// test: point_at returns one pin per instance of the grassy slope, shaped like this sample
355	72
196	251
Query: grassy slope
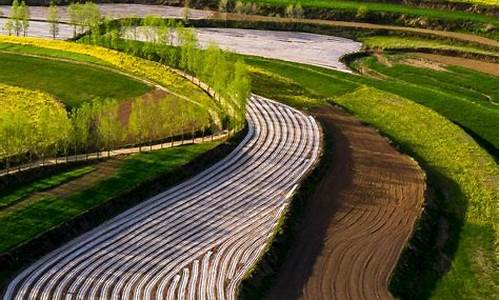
463	173
140	68
71	83
396	42
480	121
466	97
21	225
384	7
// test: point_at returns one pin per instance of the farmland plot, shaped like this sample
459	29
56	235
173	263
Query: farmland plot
196	240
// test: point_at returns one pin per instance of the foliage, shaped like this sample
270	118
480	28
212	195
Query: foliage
172	44
18	19
84	16
53	19
30	120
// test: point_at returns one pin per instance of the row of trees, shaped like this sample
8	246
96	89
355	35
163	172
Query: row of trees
18	22
96	126
171	43
82	16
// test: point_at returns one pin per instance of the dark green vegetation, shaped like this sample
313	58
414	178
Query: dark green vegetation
462	176
71	82
13	195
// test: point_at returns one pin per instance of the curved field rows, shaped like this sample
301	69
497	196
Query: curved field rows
359	219
196	240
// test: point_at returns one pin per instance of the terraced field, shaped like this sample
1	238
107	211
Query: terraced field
196	240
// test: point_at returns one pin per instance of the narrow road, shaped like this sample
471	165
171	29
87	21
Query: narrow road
196	240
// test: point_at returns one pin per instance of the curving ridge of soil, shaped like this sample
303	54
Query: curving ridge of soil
359	218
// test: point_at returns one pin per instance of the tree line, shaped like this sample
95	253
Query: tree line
171	43
97	126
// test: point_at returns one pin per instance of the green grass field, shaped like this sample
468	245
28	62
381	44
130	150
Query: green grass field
463	175
396	42
445	15
434	89
71	83
20	225
12	195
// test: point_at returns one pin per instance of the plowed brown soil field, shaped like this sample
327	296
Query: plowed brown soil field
359	219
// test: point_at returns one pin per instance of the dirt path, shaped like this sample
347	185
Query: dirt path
359	218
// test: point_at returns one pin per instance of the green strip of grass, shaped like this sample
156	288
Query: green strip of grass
462	173
11	195
23	225
397	42
71	83
384	7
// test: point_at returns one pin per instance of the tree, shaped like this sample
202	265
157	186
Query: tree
289	11
24	15
81	120
239	7
167	120
188	47
9	26
223	8
136	122
185	11
74	11
362	12
15	17
109	126
53	19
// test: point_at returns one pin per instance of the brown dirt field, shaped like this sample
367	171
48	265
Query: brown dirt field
477	65
447	34
359	219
